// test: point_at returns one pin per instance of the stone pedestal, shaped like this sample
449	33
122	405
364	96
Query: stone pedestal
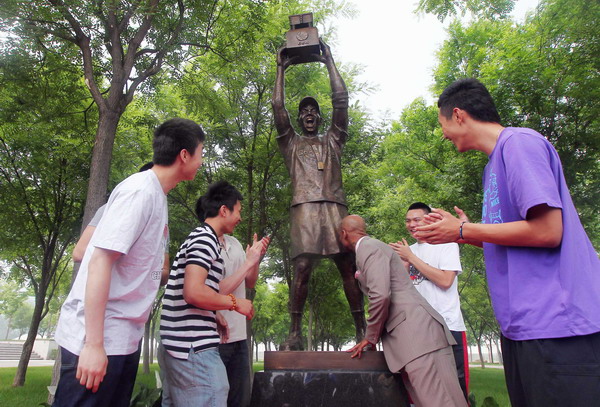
311	379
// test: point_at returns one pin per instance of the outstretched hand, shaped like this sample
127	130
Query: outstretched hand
258	248
402	248
357	349
441	226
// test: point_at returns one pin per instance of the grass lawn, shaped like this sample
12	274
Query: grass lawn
484	383
488	382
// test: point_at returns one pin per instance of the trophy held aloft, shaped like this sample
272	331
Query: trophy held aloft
302	40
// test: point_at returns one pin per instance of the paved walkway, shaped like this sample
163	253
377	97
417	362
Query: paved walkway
487	366
15	363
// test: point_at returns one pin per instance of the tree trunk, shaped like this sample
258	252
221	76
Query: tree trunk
100	165
146	347
8	328
55	375
500	360
33	330
491	351
152	340
310	326
480	354
250	295
470	353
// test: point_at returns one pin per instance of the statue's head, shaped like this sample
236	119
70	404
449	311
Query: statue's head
309	116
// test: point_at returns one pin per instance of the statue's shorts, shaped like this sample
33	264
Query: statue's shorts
314	228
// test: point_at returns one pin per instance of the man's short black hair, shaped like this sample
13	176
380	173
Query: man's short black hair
146	166
218	194
419	205
173	136
471	96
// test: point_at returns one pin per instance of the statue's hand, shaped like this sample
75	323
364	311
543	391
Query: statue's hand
283	59
325	56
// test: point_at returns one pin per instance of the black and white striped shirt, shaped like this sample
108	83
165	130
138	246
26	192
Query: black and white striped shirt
184	326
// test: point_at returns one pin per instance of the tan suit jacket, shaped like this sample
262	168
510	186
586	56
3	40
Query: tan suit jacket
407	325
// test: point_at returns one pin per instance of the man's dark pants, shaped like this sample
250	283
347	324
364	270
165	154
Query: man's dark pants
462	364
553	372
236	360
114	391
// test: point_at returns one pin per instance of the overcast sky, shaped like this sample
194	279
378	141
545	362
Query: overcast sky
397	49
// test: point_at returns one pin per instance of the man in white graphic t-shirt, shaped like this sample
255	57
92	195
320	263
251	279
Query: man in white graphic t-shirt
433	270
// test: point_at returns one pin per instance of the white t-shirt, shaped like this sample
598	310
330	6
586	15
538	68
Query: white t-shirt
234	257
98	215
445	257
135	224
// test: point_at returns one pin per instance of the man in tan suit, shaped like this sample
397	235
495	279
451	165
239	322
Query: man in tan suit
414	336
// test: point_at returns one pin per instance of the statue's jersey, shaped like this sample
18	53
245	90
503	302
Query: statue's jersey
314	165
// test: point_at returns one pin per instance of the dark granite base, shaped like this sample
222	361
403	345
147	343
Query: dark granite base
285	386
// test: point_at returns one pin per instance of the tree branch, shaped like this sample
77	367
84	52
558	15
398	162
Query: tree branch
83	41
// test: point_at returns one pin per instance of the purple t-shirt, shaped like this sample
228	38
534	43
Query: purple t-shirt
537	292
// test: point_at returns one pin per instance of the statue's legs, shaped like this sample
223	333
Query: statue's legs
303	266
347	267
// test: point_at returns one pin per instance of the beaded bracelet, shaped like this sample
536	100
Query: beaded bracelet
234	301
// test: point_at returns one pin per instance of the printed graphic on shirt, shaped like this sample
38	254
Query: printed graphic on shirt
491	199
415	275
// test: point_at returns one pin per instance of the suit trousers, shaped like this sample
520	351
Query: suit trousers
431	380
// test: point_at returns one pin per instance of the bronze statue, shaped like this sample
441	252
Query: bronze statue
318	203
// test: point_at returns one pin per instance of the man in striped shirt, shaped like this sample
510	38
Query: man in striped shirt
193	371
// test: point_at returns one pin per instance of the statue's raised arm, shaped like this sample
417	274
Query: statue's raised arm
339	93
281	115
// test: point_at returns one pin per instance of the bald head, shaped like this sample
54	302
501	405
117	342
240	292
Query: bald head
354	223
352	229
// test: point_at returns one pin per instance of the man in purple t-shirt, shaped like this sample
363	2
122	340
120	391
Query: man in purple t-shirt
543	273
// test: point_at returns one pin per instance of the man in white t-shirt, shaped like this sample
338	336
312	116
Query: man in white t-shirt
102	320
433	270
88	232
234	348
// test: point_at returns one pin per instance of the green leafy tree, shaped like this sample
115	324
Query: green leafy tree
120	46
488	9
477	312
271	319
42	123
48	325
22	318
12	298
326	318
